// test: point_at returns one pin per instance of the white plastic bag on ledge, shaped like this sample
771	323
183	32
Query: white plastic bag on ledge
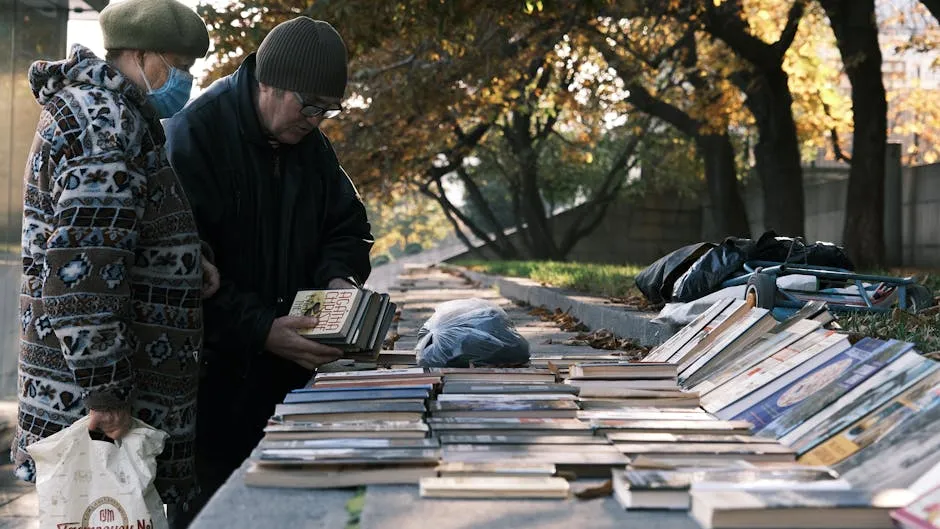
82	483
468	332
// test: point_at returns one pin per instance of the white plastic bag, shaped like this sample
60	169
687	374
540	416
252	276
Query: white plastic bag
466	332
87	484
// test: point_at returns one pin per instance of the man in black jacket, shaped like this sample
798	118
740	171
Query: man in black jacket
280	214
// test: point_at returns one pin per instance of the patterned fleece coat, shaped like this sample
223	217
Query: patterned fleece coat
110	302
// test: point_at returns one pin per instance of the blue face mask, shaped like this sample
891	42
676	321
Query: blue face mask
173	95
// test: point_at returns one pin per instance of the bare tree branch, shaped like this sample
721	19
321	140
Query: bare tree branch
596	206
476	197
472	248
370	73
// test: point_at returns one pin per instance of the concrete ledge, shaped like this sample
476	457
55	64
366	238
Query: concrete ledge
591	310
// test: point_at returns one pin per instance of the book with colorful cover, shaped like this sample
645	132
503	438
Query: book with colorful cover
789	362
922	513
649	437
862	399
354	320
919	399
899	459
745	451
821	386
799	410
335	310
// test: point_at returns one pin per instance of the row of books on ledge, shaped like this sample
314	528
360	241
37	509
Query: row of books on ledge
787	406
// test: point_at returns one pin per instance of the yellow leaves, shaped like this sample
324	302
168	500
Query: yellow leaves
531	7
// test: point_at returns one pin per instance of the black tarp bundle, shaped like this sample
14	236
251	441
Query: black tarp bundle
699	269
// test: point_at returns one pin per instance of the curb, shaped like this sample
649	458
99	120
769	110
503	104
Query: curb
591	310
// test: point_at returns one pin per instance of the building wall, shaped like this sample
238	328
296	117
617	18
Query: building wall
29	30
920	215
642	230
636	230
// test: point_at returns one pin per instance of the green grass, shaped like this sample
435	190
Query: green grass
921	330
599	279
354	508
618	282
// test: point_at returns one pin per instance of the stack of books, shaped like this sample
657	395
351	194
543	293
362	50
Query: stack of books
500	418
350	428
355	321
603	385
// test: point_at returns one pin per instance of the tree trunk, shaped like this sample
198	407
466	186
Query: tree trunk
533	210
506	249
728	212
777	153
854	25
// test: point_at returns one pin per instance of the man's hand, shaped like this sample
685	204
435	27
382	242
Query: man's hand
113	423
210	279
284	341
339	282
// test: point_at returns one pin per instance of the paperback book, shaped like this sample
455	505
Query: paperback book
354	320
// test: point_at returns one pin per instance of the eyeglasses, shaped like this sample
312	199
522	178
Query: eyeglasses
310	110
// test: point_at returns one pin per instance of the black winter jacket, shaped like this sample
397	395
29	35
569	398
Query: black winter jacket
277	220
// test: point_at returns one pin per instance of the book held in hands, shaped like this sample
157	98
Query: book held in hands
353	320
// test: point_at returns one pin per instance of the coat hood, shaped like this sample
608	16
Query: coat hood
82	67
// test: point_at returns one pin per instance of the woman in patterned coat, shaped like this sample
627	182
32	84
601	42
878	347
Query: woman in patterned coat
110	303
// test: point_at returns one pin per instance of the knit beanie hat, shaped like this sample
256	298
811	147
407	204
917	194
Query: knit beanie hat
303	55
165	26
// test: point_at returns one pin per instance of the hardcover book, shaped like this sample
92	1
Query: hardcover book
487	388
742	391
669	489
667	349
790	407
767	346
621	370
738	336
921	398
747	451
824	383
903	458
499	468
878	389
714	329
